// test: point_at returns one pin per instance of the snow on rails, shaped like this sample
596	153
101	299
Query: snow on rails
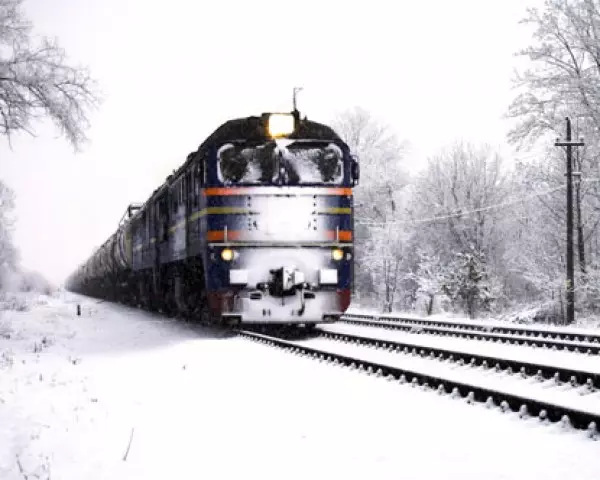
520	336
554	394
527	401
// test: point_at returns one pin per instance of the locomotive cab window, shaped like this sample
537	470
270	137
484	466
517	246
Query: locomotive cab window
288	162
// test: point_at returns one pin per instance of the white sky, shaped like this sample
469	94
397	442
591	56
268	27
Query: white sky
172	72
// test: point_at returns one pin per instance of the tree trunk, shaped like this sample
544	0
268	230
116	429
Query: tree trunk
562	308
580	237
430	304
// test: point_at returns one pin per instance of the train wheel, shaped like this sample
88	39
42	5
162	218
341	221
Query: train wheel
206	316
145	293
189	298
182	293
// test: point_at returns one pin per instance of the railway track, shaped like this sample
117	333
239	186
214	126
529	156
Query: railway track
557	334
482	332
547	410
538	371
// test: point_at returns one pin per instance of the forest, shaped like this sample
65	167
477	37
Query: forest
478	234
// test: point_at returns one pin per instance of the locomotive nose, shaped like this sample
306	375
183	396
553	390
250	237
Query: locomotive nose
286	278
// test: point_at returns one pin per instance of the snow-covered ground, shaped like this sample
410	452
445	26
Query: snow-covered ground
589	325
75	392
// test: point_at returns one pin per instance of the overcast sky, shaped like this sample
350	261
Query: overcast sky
171	72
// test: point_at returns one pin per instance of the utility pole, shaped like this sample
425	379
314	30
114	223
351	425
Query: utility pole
296	90
570	269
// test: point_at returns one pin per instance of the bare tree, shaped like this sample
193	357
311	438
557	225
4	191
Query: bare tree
565	76
538	248
564	80
379	248
380	153
36	81
455	226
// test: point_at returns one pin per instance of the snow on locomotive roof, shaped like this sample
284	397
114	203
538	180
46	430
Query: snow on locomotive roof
254	129
251	128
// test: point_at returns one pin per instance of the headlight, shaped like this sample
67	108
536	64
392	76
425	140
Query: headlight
281	125
337	254
227	254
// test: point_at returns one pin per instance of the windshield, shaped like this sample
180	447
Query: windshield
281	162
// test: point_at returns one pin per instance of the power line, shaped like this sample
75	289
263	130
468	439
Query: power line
460	214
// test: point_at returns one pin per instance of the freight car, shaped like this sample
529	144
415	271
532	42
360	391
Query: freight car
256	226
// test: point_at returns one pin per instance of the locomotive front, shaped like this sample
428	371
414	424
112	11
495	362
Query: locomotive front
280	224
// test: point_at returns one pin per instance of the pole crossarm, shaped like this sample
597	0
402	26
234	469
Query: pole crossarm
569	144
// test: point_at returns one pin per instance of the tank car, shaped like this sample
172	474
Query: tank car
256	227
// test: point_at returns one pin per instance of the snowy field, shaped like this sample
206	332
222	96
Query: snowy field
75	392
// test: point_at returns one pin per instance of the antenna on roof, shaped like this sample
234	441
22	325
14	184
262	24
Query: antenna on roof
296	90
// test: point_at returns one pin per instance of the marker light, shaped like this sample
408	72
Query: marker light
280	124
227	254
337	254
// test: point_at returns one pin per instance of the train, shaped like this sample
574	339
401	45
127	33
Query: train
255	227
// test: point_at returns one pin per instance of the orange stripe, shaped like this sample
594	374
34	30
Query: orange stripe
219	235
345	235
338	191
212	192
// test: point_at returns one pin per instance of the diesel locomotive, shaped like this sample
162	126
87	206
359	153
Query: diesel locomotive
255	227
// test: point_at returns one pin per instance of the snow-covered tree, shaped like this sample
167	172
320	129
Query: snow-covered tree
466	283
380	153
457	221
8	252
383	259
564	79
36	81
377	198
537	248
428	278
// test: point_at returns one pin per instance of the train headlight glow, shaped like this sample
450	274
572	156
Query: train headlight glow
337	254
280	125
227	254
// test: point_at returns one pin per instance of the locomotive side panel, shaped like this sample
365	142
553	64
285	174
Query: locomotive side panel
177	228
123	248
138	243
162	249
194	239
